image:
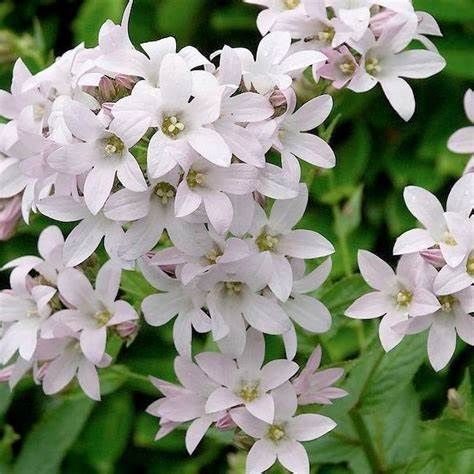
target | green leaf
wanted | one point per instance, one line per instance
(395, 371)
(451, 435)
(135, 286)
(49, 441)
(447, 10)
(107, 431)
(342, 294)
(92, 14)
(179, 18)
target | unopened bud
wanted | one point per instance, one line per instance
(127, 331)
(455, 400)
(127, 82)
(243, 440)
(279, 103)
(107, 89)
(6, 373)
(434, 257)
(10, 213)
(225, 423)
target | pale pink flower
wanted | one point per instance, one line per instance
(452, 317)
(10, 214)
(94, 311)
(408, 292)
(281, 439)
(430, 213)
(315, 386)
(211, 254)
(174, 299)
(88, 234)
(292, 140)
(275, 11)
(150, 212)
(274, 65)
(386, 63)
(245, 381)
(184, 403)
(463, 140)
(102, 154)
(236, 300)
(64, 361)
(340, 68)
(304, 309)
(23, 311)
(453, 278)
(209, 185)
(50, 262)
(275, 240)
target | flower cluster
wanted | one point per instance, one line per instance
(364, 42)
(163, 154)
(433, 284)
(54, 323)
(257, 400)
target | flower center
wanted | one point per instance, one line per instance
(291, 4)
(347, 68)
(113, 145)
(449, 239)
(470, 265)
(372, 66)
(276, 433)
(164, 191)
(194, 178)
(32, 313)
(327, 35)
(213, 256)
(249, 390)
(233, 287)
(266, 241)
(447, 302)
(102, 317)
(403, 298)
(172, 126)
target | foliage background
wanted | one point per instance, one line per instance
(401, 400)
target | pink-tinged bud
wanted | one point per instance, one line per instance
(277, 99)
(10, 213)
(379, 22)
(127, 82)
(40, 372)
(107, 88)
(470, 166)
(434, 257)
(127, 331)
(225, 423)
(6, 373)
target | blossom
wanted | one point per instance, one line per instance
(314, 386)
(275, 240)
(386, 63)
(429, 211)
(462, 141)
(274, 65)
(408, 292)
(245, 381)
(174, 299)
(208, 184)
(282, 438)
(64, 361)
(93, 311)
(292, 140)
(102, 154)
(84, 239)
(24, 311)
(10, 212)
(50, 262)
(451, 318)
(184, 403)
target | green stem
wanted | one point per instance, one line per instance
(366, 443)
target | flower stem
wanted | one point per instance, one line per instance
(366, 443)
